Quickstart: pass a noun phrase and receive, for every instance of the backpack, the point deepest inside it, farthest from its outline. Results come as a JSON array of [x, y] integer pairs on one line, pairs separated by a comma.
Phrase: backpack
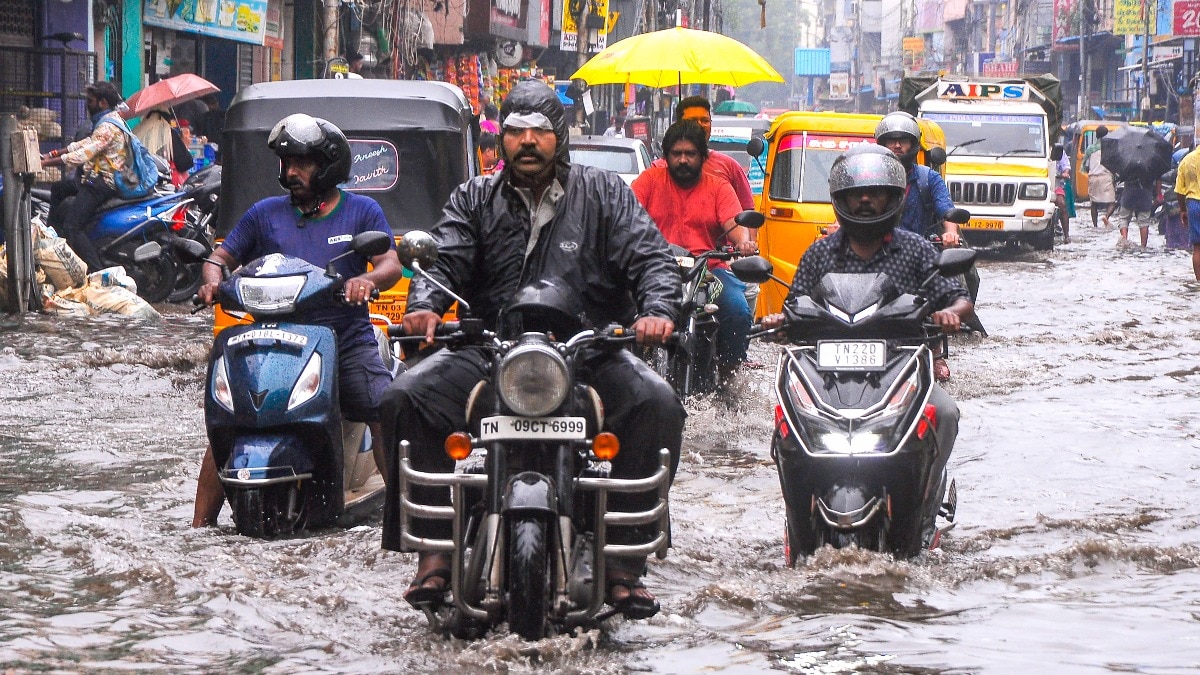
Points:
[[141, 172]]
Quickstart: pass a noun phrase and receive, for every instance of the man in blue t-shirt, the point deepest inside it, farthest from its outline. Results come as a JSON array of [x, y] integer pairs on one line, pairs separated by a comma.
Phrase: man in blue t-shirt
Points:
[[316, 222], [926, 197]]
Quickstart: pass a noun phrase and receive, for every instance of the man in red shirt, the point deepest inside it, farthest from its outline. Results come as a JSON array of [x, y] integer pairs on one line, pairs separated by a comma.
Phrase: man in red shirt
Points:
[[695, 210], [698, 110]]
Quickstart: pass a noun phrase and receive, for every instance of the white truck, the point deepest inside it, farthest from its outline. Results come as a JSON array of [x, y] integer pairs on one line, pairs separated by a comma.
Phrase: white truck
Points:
[[1001, 151]]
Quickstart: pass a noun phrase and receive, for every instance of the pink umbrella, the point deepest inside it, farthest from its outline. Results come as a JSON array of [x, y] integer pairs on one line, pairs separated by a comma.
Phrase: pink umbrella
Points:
[[168, 92]]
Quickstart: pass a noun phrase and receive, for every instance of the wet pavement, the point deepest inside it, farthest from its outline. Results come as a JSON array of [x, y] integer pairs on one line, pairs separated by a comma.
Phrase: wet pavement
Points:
[[1076, 550]]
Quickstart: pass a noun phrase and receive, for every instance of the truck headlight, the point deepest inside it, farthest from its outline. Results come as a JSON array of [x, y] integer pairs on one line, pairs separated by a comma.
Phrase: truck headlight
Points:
[[1034, 191], [532, 380]]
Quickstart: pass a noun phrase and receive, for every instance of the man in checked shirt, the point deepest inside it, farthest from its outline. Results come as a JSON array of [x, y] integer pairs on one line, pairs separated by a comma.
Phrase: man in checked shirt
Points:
[[866, 186]]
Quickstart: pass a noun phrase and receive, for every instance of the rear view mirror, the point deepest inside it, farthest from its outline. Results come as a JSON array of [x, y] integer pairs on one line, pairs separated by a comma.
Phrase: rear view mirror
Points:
[[371, 244], [755, 147], [752, 269], [952, 262], [147, 251], [1056, 153], [937, 157], [750, 219], [960, 216], [417, 247]]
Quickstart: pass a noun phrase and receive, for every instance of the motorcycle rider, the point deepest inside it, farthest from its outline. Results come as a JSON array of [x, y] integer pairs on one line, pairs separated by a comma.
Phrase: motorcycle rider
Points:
[[315, 222], [541, 219], [695, 210], [926, 197], [867, 187]]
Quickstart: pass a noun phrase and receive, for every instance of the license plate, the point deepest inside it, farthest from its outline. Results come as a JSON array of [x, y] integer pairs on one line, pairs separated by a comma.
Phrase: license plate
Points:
[[507, 428], [852, 355], [985, 224], [269, 334]]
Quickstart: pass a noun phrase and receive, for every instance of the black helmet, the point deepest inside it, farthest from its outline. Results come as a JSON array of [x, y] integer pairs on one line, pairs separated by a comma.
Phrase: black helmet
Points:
[[866, 166], [900, 125], [301, 135]]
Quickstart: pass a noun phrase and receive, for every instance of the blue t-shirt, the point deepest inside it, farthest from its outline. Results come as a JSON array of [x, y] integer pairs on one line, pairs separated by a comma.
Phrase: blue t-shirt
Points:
[[916, 219], [272, 226]]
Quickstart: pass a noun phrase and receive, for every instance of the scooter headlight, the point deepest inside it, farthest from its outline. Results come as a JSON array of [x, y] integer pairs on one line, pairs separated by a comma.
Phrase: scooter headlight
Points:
[[270, 295], [532, 380], [221, 392], [308, 384]]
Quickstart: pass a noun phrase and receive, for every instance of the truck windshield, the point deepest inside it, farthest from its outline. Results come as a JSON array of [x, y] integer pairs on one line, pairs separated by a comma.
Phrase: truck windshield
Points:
[[802, 163], [992, 135]]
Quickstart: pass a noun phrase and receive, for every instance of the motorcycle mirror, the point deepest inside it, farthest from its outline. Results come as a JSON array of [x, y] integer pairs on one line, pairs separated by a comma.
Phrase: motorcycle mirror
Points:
[[371, 244], [417, 247], [147, 251], [1057, 153], [189, 250], [960, 216], [755, 147], [952, 262], [937, 157], [750, 219], [752, 269]]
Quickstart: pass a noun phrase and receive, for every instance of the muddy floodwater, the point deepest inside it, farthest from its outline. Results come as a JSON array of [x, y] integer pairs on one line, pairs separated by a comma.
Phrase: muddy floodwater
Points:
[[1077, 548]]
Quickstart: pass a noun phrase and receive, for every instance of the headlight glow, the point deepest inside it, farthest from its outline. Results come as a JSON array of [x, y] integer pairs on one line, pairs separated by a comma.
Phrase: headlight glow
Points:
[[308, 384], [1034, 191], [270, 295], [220, 388], [532, 380]]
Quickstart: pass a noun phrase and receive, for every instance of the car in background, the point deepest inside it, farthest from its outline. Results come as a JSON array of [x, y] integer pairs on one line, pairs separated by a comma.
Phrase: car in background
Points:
[[627, 157]]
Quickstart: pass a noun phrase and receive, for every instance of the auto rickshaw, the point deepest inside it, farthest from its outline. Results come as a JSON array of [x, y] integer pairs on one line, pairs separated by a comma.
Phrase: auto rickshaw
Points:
[[412, 143], [800, 150], [1078, 137]]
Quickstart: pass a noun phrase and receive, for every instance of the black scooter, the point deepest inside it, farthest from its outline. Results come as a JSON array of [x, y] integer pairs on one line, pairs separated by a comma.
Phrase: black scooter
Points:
[[862, 432]]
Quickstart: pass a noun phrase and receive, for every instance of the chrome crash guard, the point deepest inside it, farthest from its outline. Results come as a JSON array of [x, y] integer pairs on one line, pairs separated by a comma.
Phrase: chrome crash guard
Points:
[[490, 603]]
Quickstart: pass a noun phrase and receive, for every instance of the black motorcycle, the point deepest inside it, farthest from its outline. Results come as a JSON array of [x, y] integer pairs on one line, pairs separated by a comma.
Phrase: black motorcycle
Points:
[[196, 222], [531, 484], [689, 361], [862, 433]]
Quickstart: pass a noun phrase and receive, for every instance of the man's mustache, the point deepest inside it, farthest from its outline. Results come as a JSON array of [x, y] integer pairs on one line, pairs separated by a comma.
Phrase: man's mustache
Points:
[[529, 153]]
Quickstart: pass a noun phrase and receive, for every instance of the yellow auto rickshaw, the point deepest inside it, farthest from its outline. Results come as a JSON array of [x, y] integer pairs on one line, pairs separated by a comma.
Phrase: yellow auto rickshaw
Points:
[[800, 148]]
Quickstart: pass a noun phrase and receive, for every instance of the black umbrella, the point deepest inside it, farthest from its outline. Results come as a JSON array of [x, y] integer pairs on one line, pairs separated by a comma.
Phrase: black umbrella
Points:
[[1135, 153]]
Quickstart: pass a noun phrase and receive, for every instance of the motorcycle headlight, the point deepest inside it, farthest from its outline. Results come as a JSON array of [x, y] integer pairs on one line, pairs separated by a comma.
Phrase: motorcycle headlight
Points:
[[1034, 191], [270, 295], [532, 380], [220, 389], [308, 384]]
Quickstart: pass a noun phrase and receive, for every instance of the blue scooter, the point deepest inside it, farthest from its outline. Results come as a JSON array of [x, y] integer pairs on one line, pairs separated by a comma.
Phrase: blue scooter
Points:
[[284, 454]]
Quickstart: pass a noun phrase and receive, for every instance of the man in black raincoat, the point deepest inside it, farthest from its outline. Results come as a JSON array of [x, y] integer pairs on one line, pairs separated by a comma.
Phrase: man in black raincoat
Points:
[[541, 219]]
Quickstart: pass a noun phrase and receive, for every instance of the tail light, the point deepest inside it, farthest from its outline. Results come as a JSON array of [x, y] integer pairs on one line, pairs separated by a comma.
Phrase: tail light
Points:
[[928, 421], [780, 423], [175, 218]]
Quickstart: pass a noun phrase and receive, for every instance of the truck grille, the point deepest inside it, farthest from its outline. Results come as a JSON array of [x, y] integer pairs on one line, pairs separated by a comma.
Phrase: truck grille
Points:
[[983, 192]]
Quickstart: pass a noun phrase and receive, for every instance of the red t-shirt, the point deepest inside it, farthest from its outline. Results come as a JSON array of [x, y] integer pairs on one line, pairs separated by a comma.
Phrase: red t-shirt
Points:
[[692, 218], [726, 168]]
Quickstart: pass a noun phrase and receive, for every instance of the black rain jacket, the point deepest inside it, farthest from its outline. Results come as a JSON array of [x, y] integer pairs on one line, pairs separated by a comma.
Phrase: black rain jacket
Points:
[[601, 242]]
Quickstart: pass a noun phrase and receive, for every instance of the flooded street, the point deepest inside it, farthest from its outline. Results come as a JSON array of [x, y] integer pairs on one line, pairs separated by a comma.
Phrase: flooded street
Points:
[[1077, 549]]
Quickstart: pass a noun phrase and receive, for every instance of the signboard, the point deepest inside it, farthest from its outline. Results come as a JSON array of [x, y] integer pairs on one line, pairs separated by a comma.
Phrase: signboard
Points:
[[1128, 18], [597, 37], [243, 20], [374, 166], [1001, 69], [1165, 52], [1186, 19], [1065, 21], [839, 86], [490, 19], [984, 90], [913, 44], [822, 142]]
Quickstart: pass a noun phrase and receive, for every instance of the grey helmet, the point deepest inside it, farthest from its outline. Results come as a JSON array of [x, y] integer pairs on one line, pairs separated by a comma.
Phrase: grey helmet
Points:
[[867, 166], [300, 135], [900, 124]]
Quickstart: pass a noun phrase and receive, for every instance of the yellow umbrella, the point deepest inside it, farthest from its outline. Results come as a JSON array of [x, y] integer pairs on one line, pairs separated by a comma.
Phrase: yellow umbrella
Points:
[[677, 56]]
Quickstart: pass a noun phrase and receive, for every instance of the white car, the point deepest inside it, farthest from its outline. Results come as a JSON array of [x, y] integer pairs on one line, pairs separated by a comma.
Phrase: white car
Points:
[[627, 157]]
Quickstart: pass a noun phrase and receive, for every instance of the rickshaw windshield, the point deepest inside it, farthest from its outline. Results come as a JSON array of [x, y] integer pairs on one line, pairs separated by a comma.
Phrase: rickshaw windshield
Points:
[[802, 164]]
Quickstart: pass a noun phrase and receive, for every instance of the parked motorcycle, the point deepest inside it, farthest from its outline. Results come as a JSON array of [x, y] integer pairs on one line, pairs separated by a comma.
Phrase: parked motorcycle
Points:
[[121, 226], [284, 454], [689, 361], [196, 222], [862, 433], [531, 484]]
